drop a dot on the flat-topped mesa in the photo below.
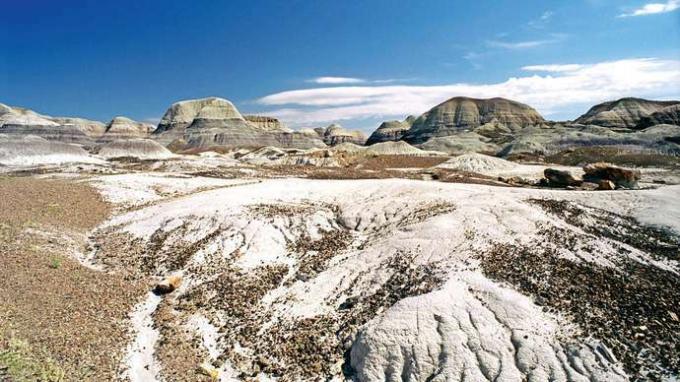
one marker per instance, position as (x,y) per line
(198,112)
(126,128)
(22,122)
(266,123)
(463,113)
(622,113)
(391,131)
(669,115)
(336,134)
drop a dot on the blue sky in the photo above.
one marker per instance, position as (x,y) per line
(316,62)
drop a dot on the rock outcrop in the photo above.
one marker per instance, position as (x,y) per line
(266,123)
(560,178)
(336,134)
(669,115)
(215,121)
(391,131)
(622,113)
(125,128)
(463,113)
(621,177)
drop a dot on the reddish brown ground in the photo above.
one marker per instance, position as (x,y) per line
(69,319)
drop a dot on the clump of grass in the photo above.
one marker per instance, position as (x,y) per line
(21,363)
(55,262)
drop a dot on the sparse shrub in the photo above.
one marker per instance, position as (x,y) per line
(55,262)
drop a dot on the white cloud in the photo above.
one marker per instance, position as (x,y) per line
(557,37)
(542,21)
(553,68)
(336,80)
(554,92)
(653,8)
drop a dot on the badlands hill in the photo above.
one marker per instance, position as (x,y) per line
(336,134)
(22,122)
(391,131)
(503,127)
(125,128)
(463,113)
(215,121)
(623,113)
(669,115)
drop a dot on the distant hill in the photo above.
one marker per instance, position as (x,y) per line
(622,113)
(461,113)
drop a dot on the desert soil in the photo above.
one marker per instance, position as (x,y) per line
(59,320)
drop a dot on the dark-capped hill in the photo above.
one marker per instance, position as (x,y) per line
(391,131)
(622,113)
(462,113)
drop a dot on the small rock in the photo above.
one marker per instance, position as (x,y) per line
(560,178)
(606,185)
(168,285)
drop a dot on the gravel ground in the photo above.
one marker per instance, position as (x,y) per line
(63,314)
(632,308)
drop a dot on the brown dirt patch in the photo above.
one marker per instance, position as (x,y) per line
(400,161)
(68,315)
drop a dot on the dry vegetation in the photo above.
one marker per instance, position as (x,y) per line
(622,157)
(58,319)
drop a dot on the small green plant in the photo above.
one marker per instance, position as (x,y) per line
(21,364)
(55,262)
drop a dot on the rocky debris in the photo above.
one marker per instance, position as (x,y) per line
(266,123)
(621,177)
(622,113)
(478,163)
(168,285)
(463,113)
(390,131)
(336,134)
(669,115)
(125,128)
(274,156)
(627,305)
(560,178)
(659,243)
(142,149)
(315,254)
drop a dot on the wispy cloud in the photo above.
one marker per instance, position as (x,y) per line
(474,59)
(653,8)
(336,80)
(352,80)
(554,68)
(519,45)
(542,21)
(563,86)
